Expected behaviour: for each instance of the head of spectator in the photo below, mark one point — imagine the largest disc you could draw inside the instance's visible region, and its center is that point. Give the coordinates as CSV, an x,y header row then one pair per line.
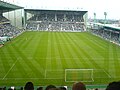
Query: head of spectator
x,y
113,86
56,89
78,86
40,88
11,88
21,88
29,86
50,87
63,88
96,89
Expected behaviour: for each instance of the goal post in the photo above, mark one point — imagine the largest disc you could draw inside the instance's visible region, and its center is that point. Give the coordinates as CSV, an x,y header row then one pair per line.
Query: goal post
x,y
83,75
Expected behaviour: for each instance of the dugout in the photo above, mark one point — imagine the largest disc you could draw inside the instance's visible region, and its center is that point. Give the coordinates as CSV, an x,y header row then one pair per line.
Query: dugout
x,y
13,13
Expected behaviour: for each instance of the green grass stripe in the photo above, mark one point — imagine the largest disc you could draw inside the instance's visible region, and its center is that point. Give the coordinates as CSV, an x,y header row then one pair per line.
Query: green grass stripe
x,y
42,57
74,53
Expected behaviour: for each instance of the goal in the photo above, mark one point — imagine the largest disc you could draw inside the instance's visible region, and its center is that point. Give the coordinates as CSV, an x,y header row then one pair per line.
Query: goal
x,y
83,75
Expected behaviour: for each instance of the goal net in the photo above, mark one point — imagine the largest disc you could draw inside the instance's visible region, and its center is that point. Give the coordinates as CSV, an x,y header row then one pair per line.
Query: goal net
x,y
84,75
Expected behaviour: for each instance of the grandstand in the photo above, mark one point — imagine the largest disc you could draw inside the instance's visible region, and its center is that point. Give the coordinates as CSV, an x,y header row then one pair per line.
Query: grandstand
x,y
8,30
107,32
56,20
61,51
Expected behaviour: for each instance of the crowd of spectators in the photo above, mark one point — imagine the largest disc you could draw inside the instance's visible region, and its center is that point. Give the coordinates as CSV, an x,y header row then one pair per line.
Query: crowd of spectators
x,y
76,86
56,22
108,34
7,30
57,17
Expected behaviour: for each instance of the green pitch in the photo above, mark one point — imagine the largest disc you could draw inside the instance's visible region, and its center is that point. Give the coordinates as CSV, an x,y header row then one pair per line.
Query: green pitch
x,y
58,58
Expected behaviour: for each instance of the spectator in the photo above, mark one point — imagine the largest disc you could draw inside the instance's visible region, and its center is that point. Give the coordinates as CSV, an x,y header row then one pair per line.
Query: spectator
x,y
78,86
50,87
63,88
40,88
96,89
56,89
11,88
29,86
113,86
21,88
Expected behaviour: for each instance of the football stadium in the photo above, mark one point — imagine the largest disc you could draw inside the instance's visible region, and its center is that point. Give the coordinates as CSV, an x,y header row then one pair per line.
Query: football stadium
x,y
55,47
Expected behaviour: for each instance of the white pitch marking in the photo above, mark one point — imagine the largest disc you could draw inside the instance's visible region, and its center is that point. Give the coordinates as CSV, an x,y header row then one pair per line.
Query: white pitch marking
x,y
9,70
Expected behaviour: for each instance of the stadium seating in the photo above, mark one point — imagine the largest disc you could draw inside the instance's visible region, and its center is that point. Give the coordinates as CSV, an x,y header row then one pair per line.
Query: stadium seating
x,y
55,22
108,34
6,29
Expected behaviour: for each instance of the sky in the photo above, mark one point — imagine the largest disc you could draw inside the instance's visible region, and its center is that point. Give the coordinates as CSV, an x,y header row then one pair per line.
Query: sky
x,y
92,6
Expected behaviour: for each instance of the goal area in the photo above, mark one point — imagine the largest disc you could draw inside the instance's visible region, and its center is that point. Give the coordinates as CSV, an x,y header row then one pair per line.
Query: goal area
x,y
76,75
83,75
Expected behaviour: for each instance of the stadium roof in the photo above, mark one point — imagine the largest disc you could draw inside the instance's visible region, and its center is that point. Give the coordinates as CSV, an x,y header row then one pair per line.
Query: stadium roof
x,y
5,7
109,26
112,27
33,11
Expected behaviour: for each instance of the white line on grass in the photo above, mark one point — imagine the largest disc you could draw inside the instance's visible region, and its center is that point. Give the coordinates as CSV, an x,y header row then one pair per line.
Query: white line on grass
x,y
107,74
31,78
9,70
67,58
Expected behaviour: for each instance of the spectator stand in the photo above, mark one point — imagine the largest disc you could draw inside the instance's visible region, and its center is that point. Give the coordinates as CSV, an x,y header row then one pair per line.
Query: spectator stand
x,y
55,20
7,30
109,33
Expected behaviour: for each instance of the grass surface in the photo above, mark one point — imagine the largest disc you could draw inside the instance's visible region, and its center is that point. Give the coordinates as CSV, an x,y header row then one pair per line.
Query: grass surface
x,y
42,57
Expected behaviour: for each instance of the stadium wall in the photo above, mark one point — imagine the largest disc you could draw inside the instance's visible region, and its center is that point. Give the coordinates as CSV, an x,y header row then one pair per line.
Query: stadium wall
x,y
15,17
1,13
26,17
85,17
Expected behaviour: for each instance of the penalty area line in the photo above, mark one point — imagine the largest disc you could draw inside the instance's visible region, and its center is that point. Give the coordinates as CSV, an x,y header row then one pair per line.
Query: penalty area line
x,y
9,70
